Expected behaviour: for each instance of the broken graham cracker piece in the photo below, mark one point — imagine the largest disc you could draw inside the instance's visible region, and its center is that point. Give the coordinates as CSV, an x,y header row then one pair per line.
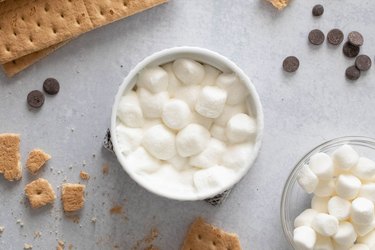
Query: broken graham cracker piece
x,y
29,26
19,64
10,164
84,175
279,4
37,158
72,196
202,235
40,193
105,12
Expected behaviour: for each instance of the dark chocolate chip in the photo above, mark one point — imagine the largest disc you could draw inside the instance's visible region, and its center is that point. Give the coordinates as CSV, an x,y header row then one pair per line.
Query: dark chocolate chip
x,y
35,99
350,50
355,38
290,64
51,86
352,73
363,62
335,37
316,37
318,10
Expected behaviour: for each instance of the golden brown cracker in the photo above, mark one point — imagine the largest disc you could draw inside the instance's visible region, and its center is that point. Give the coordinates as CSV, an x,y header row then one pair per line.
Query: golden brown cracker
x,y
279,4
40,193
36,159
19,64
10,164
202,235
103,12
72,196
29,26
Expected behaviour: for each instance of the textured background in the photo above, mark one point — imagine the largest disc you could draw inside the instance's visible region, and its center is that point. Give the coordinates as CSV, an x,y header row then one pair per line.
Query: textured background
x,y
301,110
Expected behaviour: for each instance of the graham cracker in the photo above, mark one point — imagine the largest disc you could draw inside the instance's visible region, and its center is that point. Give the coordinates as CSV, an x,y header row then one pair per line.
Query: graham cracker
x,y
10,164
36,159
203,236
29,26
84,175
279,4
40,193
19,64
72,196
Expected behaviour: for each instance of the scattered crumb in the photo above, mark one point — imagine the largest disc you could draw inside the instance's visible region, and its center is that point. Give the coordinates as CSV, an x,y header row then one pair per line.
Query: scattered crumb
x,y
147,240
2,229
74,218
37,234
72,129
93,155
84,175
61,243
27,246
116,209
93,219
84,163
105,169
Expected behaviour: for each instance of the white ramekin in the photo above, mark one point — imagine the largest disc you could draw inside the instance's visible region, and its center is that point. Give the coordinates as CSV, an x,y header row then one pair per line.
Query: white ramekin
x,y
203,56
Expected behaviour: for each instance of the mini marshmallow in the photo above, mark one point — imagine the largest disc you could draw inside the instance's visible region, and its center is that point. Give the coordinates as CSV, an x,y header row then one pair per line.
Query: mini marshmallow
x,y
160,142
237,92
152,104
192,140
345,235
368,191
339,207
188,94
211,101
173,82
304,238
323,243
211,75
359,247
325,188
215,177
129,139
201,120
305,218
188,71
210,156
141,161
129,111
345,157
320,204
240,127
325,224
321,164
363,229
237,156
155,79
179,163
218,132
228,112
176,114
307,179
362,211
365,169
347,186
368,239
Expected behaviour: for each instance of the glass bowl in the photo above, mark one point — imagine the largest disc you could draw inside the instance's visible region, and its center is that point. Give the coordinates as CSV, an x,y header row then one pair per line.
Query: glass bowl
x,y
294,199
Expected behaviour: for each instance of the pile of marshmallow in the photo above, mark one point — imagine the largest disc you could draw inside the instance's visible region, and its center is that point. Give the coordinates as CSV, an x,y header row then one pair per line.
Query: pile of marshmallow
x,y
342,208
186,127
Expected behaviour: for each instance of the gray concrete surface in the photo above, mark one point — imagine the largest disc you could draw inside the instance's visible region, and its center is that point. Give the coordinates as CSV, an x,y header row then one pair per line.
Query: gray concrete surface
x,y
301,110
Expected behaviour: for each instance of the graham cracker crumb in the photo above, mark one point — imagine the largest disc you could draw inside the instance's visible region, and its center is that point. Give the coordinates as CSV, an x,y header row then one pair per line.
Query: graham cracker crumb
x,y
72,196
147,240
36,160
279,4
40,193
10,164
27,246
116,209
93,219
105,169
84,175
37,234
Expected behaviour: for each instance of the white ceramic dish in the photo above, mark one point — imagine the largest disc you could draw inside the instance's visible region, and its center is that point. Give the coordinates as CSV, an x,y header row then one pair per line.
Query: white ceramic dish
x,y
203,56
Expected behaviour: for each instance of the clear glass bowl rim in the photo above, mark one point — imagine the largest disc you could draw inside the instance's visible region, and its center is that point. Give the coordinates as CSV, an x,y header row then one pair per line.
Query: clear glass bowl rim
x,y
351,140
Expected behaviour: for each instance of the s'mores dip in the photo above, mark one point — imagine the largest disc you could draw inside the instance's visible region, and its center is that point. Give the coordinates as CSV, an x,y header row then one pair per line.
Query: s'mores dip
x,y
186,129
